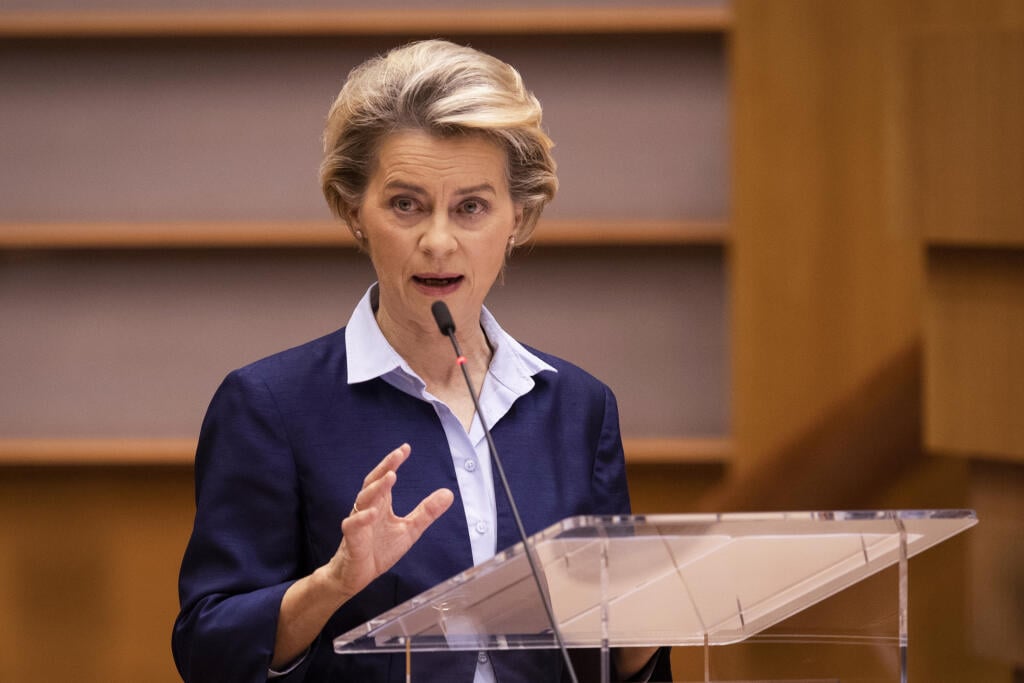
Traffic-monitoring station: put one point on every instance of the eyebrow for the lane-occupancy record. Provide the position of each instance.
(412, 187)
(482, 187)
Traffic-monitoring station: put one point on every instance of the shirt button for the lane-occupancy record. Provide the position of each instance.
(470, 465)
(481, 527)
(482, 657)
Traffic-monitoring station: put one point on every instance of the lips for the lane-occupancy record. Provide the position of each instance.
(437, 281)
(437, 284)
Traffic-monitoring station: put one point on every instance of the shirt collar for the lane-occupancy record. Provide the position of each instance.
(369, 355)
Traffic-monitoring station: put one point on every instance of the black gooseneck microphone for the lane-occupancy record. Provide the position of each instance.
(443, 318)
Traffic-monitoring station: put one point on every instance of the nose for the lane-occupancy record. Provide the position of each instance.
(438, 238)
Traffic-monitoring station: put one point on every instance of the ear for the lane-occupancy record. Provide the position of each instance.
(518, 224)
(352, 221)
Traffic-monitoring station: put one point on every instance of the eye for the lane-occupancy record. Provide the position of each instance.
(403, 204)
(473, 207)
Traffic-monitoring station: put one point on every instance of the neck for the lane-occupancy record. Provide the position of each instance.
(430, 354)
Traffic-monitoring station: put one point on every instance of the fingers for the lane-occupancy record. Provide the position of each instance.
(376, 495)
(390, 463)
(377, 484)
(370, 496)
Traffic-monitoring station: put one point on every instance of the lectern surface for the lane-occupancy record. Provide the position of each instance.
(656, 580)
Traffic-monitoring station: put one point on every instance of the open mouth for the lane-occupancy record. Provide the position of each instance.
(437, 281)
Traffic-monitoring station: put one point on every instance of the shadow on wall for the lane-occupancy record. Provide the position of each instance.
(859, 447)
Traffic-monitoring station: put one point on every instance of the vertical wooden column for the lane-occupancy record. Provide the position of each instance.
(828, 265)
(967, 156)
(827, 273)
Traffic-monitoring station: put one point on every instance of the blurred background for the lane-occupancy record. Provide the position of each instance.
(790, 236)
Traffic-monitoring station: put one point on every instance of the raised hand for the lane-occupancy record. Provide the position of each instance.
(374, 537)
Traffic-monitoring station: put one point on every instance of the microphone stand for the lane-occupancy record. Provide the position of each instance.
(447, 327)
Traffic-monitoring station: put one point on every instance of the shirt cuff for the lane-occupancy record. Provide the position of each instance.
(271, 673)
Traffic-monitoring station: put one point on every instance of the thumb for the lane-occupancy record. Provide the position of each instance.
(429, 509)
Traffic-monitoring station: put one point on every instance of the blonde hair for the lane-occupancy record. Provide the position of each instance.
(446, 90)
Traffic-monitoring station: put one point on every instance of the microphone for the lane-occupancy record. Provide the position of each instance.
(443, 318)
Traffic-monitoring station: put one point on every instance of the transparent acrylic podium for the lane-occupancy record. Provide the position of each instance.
(799, 596)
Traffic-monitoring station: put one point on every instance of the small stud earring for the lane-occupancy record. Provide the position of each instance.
(359, 235)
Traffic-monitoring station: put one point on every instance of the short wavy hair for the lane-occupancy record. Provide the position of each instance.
(446, 90)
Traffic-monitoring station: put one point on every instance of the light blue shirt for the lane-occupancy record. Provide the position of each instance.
(509, 376)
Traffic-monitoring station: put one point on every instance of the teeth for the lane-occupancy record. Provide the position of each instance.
(436, 282)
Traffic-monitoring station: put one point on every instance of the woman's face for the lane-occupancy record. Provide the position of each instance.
(437, 217)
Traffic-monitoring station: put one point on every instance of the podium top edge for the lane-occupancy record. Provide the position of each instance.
(790, 516)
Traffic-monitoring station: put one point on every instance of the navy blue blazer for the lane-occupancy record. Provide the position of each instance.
(283, 451)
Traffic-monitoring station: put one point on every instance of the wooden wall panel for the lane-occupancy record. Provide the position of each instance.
(943, 607)
(831, 105)
(967, 64)
(126, 344)
(161, 5)
(968, 168)
(89, 559)
(974, 360)
(229, 129)
(133, 344)
(826, 277)
(997, 562)
(88, 571)
(967, 144)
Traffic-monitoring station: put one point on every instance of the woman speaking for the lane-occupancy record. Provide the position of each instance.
(340, 478)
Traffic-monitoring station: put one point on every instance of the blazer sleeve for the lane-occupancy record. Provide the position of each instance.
(246, 547)
(610, 491)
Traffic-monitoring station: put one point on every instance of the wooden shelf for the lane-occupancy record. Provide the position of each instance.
(363, 22)
(626, 232)
(671, 451)
(97, 451)
(303, 234)
(169, 451)
(976, 242)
